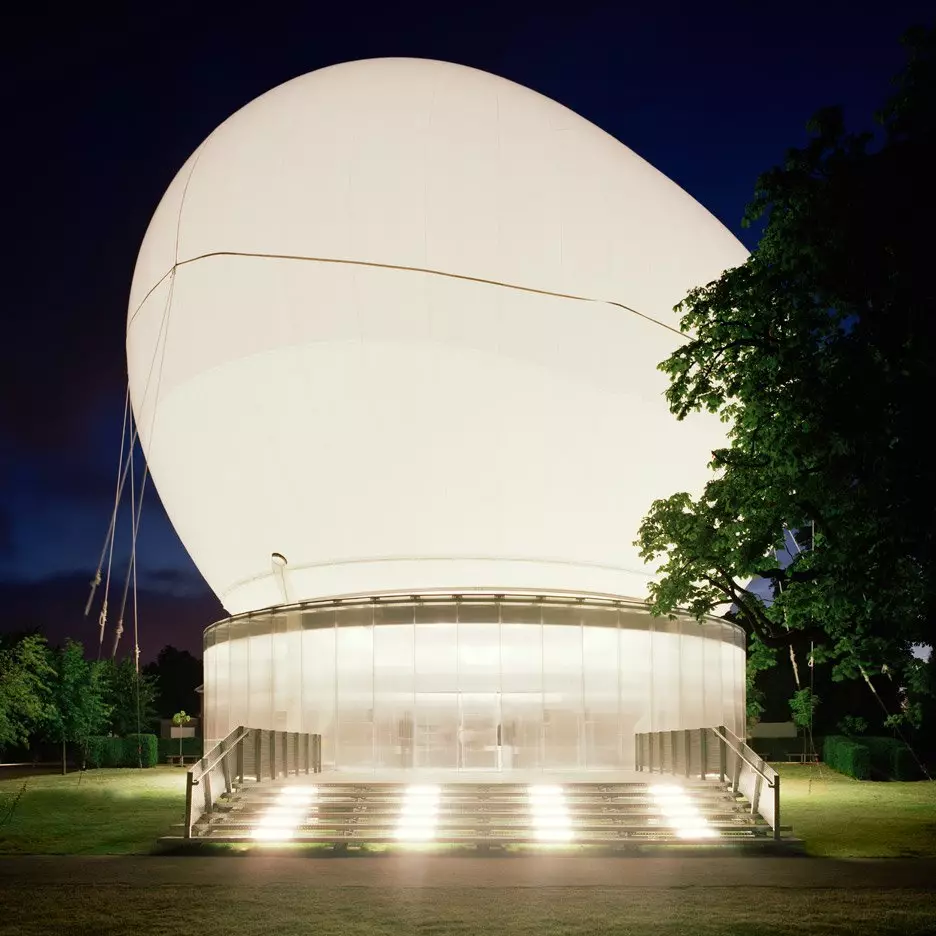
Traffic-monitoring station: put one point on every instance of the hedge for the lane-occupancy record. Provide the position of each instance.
(847, 756)
(130, 751)
(190, 746)
(890, 759)
(143, 749)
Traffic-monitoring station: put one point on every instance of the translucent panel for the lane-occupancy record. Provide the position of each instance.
(563, 714)
(602, 673)
(354, 691)
(475, 686)
(666, 688)
(287, 665)
(711, 667)
(437, 730)
(394, 687)
(239, 661)
(436, 657)
(522, 730)
(319, 681)
(636, 660)
(521, 657)
(260, 683)
(692, 676)
(478, 657)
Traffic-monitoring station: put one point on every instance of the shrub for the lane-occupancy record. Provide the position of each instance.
(891, 759)
(123, 752)
(190, 746)
(141, 750)
(104, 751)
(847, 756)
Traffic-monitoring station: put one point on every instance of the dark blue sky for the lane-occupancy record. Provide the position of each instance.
(100, 112)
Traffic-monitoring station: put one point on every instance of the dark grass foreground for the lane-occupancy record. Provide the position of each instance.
(282, 910)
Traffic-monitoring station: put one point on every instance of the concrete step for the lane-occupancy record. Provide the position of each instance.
(480, 813)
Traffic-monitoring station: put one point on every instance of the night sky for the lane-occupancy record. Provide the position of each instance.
(99, 112)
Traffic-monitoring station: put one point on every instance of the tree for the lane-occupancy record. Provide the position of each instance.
(179, 675)
(78, 692)
(131, 697)
(819, 353)
(24, 696)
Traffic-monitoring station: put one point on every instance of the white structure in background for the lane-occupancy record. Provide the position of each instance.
(393, 331)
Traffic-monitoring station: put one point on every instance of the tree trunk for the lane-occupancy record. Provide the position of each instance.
(64, 768)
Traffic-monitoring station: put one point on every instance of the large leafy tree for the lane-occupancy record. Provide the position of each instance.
(819, 353)
(24, 694)
(131, 697)
(179, 674)
(78, 690)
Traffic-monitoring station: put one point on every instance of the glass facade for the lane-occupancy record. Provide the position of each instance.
(473, 683)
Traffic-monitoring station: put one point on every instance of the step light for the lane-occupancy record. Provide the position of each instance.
(419, 814)
(549, 814)
(291, 809)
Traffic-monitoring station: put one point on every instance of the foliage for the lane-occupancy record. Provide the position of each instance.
(104, 751)
(131, 696)
(78, 692)
(852, 725)
(181, 719)
(142, 750)
(179, 675)
(188, 746)
(891, 759)
(847, 756)
(24, 697)
(135, 750)
(759, 658)
(818, 353)
(803, 707)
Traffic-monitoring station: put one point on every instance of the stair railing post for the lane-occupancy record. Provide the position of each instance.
(722, 754)
(240, 761)
(703, 751)
(258, 753)
(687, 743)
(189, 784)
(776, 807)
(305, 750)
(226, 768)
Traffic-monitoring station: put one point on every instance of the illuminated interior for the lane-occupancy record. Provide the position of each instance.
(473, 684)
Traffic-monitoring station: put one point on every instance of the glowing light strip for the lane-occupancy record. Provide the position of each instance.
(291, 809)
(549, 814)
(419, 814)
(680, 813)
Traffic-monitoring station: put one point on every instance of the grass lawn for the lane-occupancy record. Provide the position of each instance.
(282, 910)
(124, 811)
(99, 812)
(839, 817)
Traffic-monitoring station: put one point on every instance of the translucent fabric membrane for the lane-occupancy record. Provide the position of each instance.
(474, 683)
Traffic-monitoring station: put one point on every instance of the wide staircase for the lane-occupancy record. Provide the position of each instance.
(482, 814)
(697, 786)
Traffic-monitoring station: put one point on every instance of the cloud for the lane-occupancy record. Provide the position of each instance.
(55, 605)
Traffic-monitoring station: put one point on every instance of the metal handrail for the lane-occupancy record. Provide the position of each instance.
(223, 747)
(745, 773)
(767, 778)
(224, 766)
